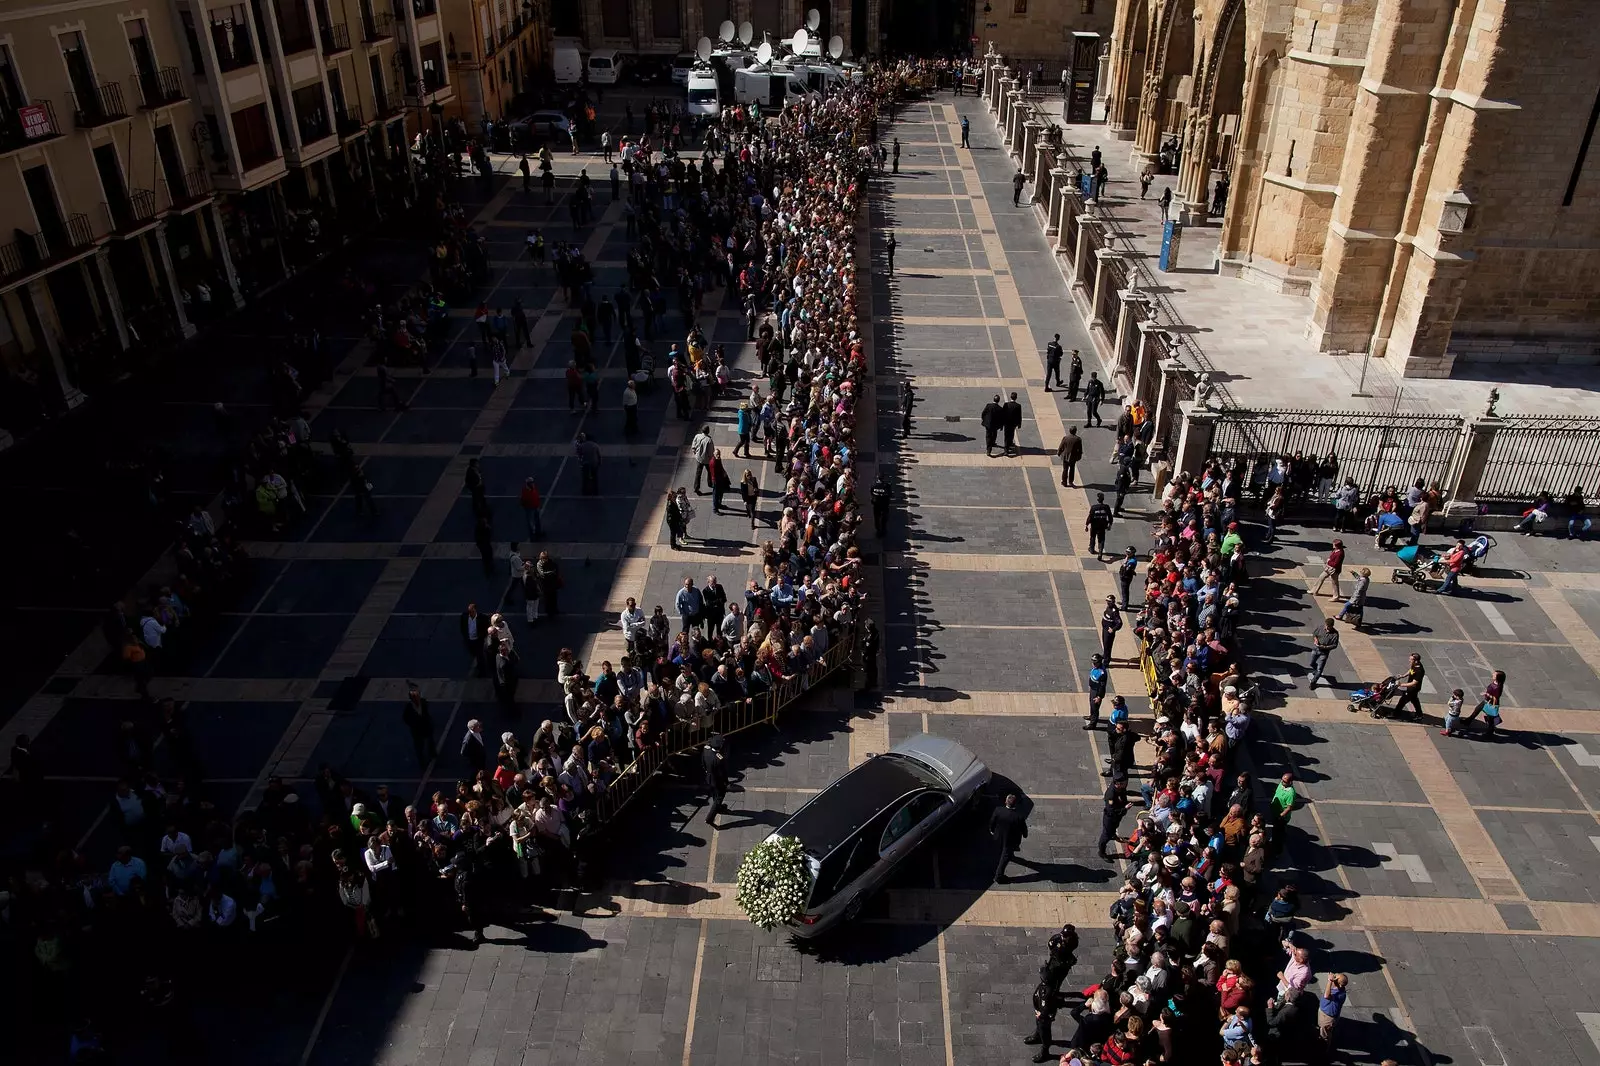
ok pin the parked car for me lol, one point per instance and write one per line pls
(858, 829)
(682, 63)
(650, 70)
(539, 126)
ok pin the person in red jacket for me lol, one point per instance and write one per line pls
(531, 502)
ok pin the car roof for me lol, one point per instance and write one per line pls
(834, 815)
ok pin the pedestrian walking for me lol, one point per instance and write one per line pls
(1110, 626)
(907, 399)
(1018, 180)
(1097, 522)
(1053, 353)
(1324, 640)
(1044, 1014)
(1332, 567)
(1115, 803)
(1355, 607)
(889, 246)
(1411, 687)
(1284, 800)
(750, 492)
(1488, 705)
(870, 641)
(1011, 414)
(419, 724)
(474, 630)
(677, 522)
(1166, 202)
(550, 583)
(745, 423)
(993, 420)
(1070, 450)
(896, 155)
(387, 389)
(1455, 561)
(714, 764)
(474, 485)
(1093, 394)
(703, 448)
(630, 408)
(483, 535)
(531, 502)
(1009, 826)
(588, 453)
(474, 749)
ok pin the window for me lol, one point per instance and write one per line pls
(916, 811)
(196, 56)
(11, 96)
(1088, 7)
(1019, 7)
(616, 18)
(230, 35)
(252, 128)
(76, 56)
(841, 869)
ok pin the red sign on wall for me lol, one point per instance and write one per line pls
(35, 122)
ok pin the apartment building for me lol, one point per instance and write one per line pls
(147, 151)
(497, 46)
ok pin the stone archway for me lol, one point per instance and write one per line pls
(1162, 98)
(1131, 49)
(1212, 129)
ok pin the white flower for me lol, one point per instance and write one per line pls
(773, 882)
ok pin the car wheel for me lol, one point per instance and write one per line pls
(852, 910)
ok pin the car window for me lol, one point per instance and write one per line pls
(842, 868)
(908, 817)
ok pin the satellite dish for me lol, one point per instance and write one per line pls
(703, 49)
(746, 33)
(764, 53)
(836, 46)
(813, 19)
(725, 31)
(801, 39)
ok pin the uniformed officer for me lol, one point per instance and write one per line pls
(907, 397)
(1052, 361)
(889, 246)
(1097, 522)
(1127, 570)
(1116, 802)
(1044, 1012)
(1097, 690)
(880, 504)
(1074, 375)
(714, 762)
(1063, 956)
(869, 654)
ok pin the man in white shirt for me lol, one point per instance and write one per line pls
(175, 839)
(151, 631)
(632, 622)
(223, 911)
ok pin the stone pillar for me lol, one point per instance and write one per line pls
(1086, 223)
(1003, 88)
(1102, 85)
(219, 248)
(1031, 128)
(1194, 439)
(1056, 223)
(102, 264)
(1461, 495)
(1194, 177)
(1166, 395)
(171, 277)
(1145, 371)
(1105, 256)
(38, 294)
(1130, 306)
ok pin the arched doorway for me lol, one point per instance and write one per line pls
(1169, 82)
(1211, 136)
(1132, 50)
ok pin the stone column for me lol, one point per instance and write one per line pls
(102, 264)
(1167, 395)
(1461, 495)
(1102, 85)
(39, 295)
(1031, 129)
(1130, 305)
(1086, 223)
(1145, 371)
(219, 247)
(1105, 256)
(171, 277)
(1194, 178)
(1194, 439)
(1056, 222)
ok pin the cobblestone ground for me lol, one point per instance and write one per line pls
(1456, 880)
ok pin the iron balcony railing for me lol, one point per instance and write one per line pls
(31, 123)
(387, 106)
(97, 106)
(131, 212)
(335, 38)
(377, 26)
(351, 121)
(313, 127)
(157, 88)
(190, 187)
(23, 256)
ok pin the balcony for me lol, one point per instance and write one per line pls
(192, 188)
(252, 156)
(32, 123)
(297, 40)
(158, 88)
(98, 106)
(134, 213)
(335, 39)
(387, 106)
(351, 121)
(233, 46)
(313, 128)
(377, 27)
(32, 252)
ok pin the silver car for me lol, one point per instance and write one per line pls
(859, 828)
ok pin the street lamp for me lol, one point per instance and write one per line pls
(1455, 215)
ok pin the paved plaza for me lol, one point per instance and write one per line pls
(1455, 881)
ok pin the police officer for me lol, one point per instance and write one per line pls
(880, 504)
(966, 132)
(1116, 802)
(1097, 690)
(889, 246)
(869, 654)
(992, 419)
(1011, 413)
(1063, 956)
(1127, 570)
(1052, 360)
(1074, 376)
(1097, 522)
(908, 397)
(896, 151)
(1044, 1012)
(714, 761)
(1110, 626)
(1093, 393)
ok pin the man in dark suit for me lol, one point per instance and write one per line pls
(474, 749)
(1011, 413)
(1116, 802)
(419, 723)
(993, 418)
(1121, 757)
(474, 628)
(1009, 826)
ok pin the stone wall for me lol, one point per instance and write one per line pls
(1042, 32)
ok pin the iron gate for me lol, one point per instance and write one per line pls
(1540, 453)
(1378, 450)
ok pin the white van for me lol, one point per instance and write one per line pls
(568, 64)
(604, 67)
(703, 97)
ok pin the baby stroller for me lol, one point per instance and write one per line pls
(1478, 550)
(1372, 698)
(1419, 572)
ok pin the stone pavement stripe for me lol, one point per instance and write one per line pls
(936, 381)
(1568, 622)
(947, 320)
(947, 561)
(441, 501)
(1461, 824)
(694, 991)
(1496, 619)
(1591, 1025)
(975, 459)
(1411, 865)
(1358, 648)
(944, 998)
